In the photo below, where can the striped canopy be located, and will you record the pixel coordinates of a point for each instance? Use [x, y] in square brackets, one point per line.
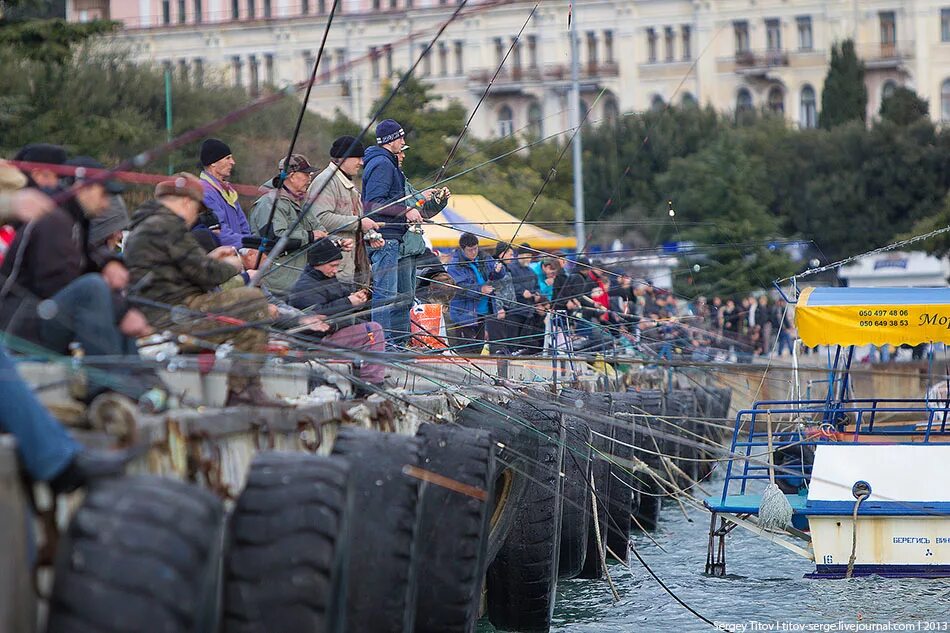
[476, 214]
[877, 316]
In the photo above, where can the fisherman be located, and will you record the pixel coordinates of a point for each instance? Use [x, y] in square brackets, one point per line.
[216, 163]
[429, 203]
[56, 290]
[384, 193]
[336, 205]
[272, 221]
[318, 291]
[180, 283]
[473, 303]
[44, 179]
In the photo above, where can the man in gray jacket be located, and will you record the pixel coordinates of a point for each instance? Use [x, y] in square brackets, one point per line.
[337, 207]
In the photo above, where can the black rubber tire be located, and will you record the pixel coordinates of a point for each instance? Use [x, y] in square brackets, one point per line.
[620, 487]
[597, 403]
[576, 504]
[509, 481]
[650, 496]
[286, 560]
[142, 553]
[381, 589]
[522, 579]
[453, 528]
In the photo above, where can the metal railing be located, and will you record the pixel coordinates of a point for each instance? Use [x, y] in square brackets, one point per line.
[798, 426]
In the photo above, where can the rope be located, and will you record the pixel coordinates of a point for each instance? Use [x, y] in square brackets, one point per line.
[854, 533]
[600, 543]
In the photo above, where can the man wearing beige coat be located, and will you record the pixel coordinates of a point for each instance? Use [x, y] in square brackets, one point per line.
[336, 206]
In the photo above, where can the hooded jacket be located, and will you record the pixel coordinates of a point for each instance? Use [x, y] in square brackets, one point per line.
[463, 308]
[234, 224]
[160, 245]
[383, 184]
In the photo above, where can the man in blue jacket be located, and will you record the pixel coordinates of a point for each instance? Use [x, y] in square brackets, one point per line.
[384, 193]
[474, 303]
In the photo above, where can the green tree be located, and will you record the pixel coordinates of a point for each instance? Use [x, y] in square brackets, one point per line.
[39, 31]
[844, 97]
[721, 198]
[904, 107]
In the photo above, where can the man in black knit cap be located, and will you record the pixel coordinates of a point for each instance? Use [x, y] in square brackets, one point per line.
[217, 163]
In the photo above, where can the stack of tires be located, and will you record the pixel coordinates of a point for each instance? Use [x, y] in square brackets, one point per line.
[650, 491]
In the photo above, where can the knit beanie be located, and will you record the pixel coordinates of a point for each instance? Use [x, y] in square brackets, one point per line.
[323, 252]
[344, 143]
[500, 248]
[388, 131]
[213, 150]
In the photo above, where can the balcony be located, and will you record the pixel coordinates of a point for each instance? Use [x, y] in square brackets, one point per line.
[759, 63]
[513, 80]
[885, 55]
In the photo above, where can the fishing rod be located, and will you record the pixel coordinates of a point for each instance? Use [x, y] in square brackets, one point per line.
[458, 139]
[268, 228]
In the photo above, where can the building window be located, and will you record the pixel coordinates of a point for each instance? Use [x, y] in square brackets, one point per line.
[183, 70]
[670, 46]
[945, 25]
[393, 4]
[591, 49]
[532, 51]
[805, 41]
[166, 12]
[321, 6]
[251, 9]
[499, 51]
[687, 34]
[267, 13]
[888, 89]
[535, 120]
[236, 71]
[459, 68]
[408, 4]
[253, 79]
[426, 60]
[377, 5]
[888, 33]
[773, 35]
[516, 55]
[181, 11]
[307, 64]
[809, 114]
[269, 69]
[305, 6]
[945, 100]
[651, 45]
[340, 64]
[743, 101]
[235, 9]
[777, 100]
[374, 62]
[741, 30]
[609, 47]
[443, 59]
[388, 50]
[199, 71]
[688, 100]
[657, 104]
[506, 121]
[611, 110]
[198, 11]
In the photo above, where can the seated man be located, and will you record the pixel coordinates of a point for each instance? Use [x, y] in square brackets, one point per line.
[320, 292]
[170, 270]
[55, 289]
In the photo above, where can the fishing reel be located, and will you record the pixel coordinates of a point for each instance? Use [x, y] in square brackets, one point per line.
[372, 235]
[416, 228]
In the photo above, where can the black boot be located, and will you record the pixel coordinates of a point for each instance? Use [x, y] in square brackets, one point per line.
[90, 465]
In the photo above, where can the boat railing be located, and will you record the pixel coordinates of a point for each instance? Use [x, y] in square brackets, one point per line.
[797, 426]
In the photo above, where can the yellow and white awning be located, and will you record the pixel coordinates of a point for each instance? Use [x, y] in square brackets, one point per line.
[490, 223]
[876, 316]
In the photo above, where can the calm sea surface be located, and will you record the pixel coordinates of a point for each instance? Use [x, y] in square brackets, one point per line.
[765, 590]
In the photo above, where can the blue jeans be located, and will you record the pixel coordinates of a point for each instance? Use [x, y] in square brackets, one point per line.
[392, 293]
[85, 313]
[44, 446]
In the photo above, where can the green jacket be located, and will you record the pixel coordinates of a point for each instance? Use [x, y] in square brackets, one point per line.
[338, 207]
[160, 245]
[282, 276]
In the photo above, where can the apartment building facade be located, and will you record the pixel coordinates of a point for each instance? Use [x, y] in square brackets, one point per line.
[634, 54]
